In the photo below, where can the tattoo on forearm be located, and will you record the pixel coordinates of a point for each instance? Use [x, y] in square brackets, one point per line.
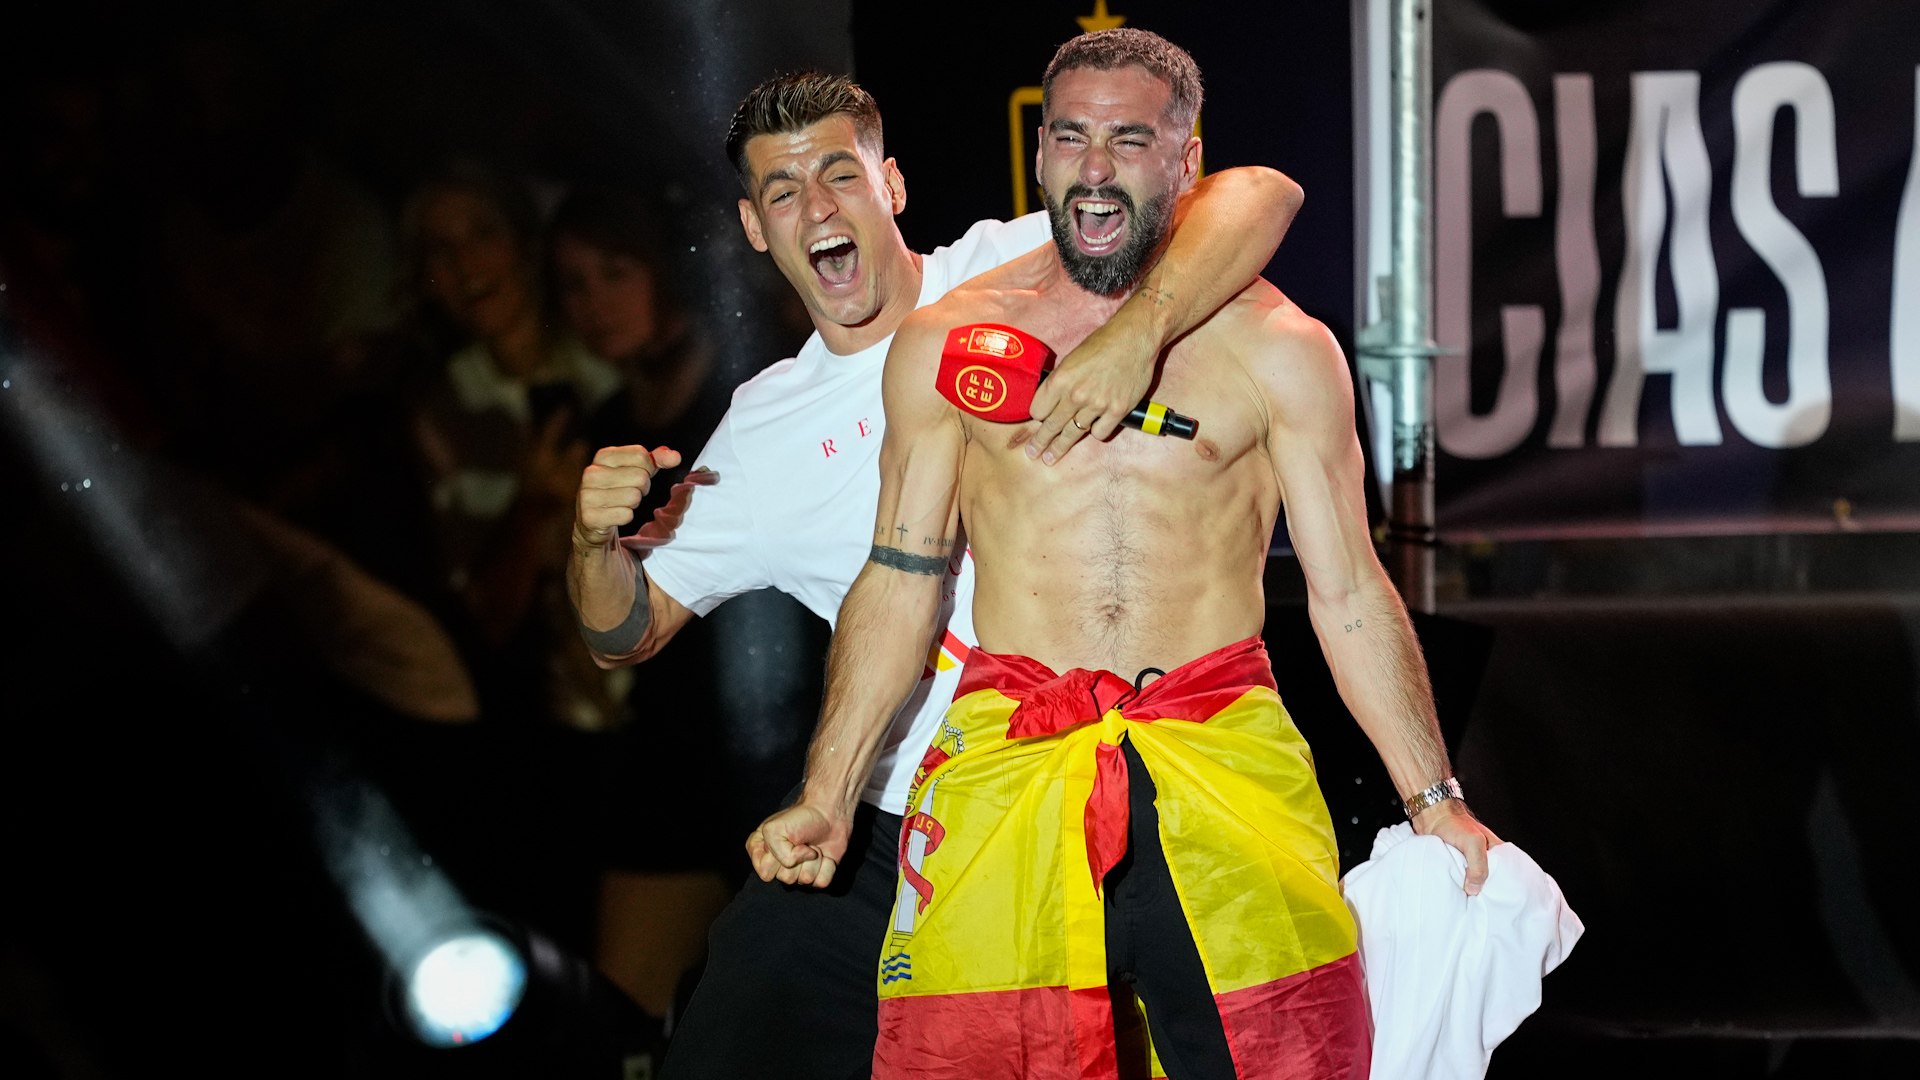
[1354, 625]
[895, 559]
[1158, 296]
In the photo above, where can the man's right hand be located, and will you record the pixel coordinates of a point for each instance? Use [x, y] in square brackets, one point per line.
[666, 519]
[611, 488]
[800, 845]
[1091, 390]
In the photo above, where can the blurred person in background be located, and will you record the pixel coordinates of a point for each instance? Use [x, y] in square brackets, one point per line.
[264, 304]
[659, 889]
[613, 277]
[496, 430]
[499, 428]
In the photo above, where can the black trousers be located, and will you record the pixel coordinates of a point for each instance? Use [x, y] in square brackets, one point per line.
[789, 984]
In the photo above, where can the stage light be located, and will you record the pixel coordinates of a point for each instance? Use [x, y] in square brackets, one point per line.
[464, 988]
[482, 996]
[462, 992]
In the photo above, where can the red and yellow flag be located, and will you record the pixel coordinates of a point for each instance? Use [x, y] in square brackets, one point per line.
[996, 964]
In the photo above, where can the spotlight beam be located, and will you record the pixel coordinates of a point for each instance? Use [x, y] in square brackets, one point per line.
[185, 551]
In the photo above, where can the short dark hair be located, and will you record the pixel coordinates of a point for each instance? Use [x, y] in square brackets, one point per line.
[1105, 50]
[506, 192]
[794, 100]
[622, 221]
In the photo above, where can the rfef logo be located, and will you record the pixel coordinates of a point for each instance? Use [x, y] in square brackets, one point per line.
[981, 388]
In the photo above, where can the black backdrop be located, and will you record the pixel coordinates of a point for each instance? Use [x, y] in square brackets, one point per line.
[1717, 785]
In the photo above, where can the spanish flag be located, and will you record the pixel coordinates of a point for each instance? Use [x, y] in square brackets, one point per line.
[995, 964]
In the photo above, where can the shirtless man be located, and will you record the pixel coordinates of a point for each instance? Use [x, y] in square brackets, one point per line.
[1070, 833]
[792, 967]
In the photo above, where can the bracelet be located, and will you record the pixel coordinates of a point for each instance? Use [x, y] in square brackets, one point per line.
[1438, 793]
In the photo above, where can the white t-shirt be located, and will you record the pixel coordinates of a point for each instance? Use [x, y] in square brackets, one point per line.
[798, 455]
[1450, 976]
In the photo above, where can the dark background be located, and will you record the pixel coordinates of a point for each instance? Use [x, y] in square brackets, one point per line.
[1708, 741]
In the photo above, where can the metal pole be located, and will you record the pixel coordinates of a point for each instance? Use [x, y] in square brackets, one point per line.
[1410, 348]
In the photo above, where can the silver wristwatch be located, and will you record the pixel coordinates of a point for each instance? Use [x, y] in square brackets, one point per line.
[1440, 792]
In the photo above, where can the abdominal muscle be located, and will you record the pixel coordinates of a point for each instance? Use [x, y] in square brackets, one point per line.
[1131, 554]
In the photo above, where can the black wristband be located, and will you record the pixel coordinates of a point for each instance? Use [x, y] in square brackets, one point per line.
[626, 637]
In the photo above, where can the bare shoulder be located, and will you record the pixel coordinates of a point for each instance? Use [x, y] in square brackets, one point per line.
[1292, 357]
[919, 333]
[990, 297]
[916, 345]
[910, 382]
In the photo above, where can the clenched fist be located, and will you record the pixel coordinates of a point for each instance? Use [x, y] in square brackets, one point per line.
[611, 488]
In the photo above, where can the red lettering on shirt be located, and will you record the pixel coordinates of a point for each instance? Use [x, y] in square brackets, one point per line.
[866, 429]
[826, 445]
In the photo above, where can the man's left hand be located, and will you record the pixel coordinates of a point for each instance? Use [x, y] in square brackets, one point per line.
[1450, 820]
[1090, 391]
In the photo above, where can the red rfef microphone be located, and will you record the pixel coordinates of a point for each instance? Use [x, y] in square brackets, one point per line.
[991, 371]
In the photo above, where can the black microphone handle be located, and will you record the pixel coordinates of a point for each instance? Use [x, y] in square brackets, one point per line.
[1171, 423]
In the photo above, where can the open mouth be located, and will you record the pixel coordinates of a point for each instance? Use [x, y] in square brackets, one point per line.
[835, 258]
[1098, 224]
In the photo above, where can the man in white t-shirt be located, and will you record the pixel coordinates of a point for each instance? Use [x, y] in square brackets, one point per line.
[791, 480]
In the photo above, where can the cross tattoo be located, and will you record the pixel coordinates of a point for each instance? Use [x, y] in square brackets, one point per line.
[902, 530]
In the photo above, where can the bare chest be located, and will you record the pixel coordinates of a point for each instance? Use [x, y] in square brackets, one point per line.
[1134, 497]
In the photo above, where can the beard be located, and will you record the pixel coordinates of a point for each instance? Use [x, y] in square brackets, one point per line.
[1107, 275]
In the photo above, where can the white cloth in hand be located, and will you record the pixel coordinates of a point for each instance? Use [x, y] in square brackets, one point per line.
[1449, 976]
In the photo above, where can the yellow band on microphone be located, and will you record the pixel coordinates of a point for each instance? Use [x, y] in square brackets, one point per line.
[1156, 416]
